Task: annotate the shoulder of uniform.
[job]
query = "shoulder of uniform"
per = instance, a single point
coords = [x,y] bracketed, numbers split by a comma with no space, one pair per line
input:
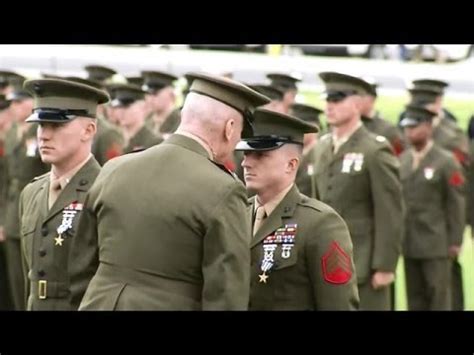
[447,155]
[40,177]
[312,203]
[224,169]
[377,141]
[380,139]
[36,181]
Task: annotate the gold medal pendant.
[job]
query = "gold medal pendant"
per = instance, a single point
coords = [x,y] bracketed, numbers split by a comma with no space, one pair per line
[59,240]
[263,278]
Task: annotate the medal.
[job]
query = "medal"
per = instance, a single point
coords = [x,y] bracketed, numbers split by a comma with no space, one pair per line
[267,262]
[284,236]
[59,240]
[347,163]
[359,160]
[429,173]
[69,213]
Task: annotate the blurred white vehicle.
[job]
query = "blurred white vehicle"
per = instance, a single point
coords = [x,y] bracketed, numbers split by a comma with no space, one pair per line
[375,51]
[439,52]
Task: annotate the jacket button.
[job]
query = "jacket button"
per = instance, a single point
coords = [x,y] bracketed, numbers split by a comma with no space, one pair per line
[83,182]
[42,252]
[41,273]
[330,187]
[44,231]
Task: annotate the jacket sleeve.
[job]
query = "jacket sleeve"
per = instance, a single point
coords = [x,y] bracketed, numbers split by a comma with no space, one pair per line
[322,253]
[388,209]
[454,202]
[24,263]
[226,253]
[84,252]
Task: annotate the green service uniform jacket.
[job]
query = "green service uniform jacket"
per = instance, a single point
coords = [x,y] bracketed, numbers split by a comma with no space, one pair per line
[362,183]
[45,249]
[164,229]
[435,204]
[302,258]
[23,163]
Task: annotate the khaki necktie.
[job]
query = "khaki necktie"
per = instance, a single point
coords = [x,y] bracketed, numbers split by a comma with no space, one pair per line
[416,161]
[260,215]
[54,191]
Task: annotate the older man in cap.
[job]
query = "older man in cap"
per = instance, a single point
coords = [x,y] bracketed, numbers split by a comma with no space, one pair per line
[305,176]
[357,174]
[130,108]
[301,251]
[286,83]
[51,205]
[160,98]
[432,188]
[23,163]
[172,224]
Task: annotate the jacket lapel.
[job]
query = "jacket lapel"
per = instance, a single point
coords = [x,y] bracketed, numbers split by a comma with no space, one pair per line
[285,209]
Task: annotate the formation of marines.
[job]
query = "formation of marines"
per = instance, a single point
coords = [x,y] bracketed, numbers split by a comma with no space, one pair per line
[119,196]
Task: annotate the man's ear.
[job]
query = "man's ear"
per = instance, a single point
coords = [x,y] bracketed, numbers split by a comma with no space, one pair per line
[293,164]
[358,102]
[229,129]
[90,130]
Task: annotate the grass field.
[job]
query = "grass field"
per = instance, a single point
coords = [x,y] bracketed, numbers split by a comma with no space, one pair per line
[390,107]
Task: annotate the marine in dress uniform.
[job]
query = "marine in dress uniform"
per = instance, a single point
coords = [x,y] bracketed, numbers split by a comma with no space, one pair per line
[433,191]
[168,228]
[357,173]
[51,205]
[301,250]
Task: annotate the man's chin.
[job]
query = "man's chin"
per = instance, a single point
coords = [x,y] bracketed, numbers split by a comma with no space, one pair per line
[250,187]
[47,159]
